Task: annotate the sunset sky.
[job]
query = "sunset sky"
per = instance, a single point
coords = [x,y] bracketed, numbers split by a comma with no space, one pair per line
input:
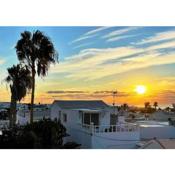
[94,61]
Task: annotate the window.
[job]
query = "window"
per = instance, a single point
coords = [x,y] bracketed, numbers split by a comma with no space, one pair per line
[87,118]
[91,118]
[65,118]
[95,118]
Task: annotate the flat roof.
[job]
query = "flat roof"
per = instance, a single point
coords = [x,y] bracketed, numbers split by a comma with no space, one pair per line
[81,104]
[152,123]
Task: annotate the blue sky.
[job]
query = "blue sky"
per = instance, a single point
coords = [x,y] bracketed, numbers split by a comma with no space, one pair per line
[65,38]
[101,58]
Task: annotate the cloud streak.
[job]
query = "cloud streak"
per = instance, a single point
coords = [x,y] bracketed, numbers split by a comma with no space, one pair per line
[119,32]
[117,38]
[161,36]
[65,92]
[91,64]
[82,38]
[88,35]
[61,94]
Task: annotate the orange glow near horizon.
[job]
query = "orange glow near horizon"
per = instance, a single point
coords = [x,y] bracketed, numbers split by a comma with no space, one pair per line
[131,98]
[134,92]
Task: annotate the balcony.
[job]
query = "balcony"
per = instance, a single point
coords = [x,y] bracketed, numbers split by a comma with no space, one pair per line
[129,127]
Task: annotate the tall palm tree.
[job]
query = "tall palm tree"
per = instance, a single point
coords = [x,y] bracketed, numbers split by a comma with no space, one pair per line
[155,105]
[19,80]
[37,52]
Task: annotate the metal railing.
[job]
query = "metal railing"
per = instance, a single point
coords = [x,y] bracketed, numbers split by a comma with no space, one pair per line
[111,128]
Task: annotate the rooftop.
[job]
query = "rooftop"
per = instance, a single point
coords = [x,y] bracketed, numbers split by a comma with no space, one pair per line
[81,104]
[152,123]
[159,144]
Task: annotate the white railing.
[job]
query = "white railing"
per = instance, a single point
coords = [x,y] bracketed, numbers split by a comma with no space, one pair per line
[115,128]
[111,128]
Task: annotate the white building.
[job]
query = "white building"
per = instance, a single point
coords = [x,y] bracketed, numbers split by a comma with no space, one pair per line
[155,129]
[93,125]
[39,112]
[161,115]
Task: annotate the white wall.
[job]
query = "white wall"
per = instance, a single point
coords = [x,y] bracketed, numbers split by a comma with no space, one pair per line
[115,140]
[23,116]
[73,128]
[54,111]
[105,119]
[79,136]
[158,132]
[162,116]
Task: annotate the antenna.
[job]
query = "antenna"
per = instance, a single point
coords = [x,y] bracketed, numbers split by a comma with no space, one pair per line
[114,94]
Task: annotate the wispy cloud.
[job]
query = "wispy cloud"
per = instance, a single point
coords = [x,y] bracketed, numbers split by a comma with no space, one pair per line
[158,37]
[99,29]
[89,34]
[84,37]
[82,45]
[95,63]
[117,38]
[61,94]
[65,92]
[119,32]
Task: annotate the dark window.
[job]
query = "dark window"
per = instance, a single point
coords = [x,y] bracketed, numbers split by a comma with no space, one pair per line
[91,118]
[87,119]
[95,118]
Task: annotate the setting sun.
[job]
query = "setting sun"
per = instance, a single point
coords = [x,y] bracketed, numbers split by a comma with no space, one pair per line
[140,89]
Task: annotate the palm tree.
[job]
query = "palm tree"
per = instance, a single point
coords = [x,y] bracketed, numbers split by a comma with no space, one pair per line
[155,105]
[147,105]
[125,106]
[37,52]
[19,80]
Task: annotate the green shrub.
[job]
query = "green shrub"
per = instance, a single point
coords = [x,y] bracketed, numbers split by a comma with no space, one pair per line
[41,134]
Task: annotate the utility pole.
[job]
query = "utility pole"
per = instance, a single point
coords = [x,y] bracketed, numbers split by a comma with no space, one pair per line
[114,93]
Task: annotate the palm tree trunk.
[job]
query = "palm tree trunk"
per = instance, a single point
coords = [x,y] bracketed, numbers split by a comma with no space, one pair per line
[12,111]
[32,95]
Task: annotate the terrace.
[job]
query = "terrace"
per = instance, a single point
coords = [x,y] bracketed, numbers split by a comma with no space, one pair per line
[128,127]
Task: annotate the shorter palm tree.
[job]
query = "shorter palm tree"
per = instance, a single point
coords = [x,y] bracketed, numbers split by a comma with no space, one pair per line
[125,106]
[155,105]
[147,105]
[147,109]
[19,80]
